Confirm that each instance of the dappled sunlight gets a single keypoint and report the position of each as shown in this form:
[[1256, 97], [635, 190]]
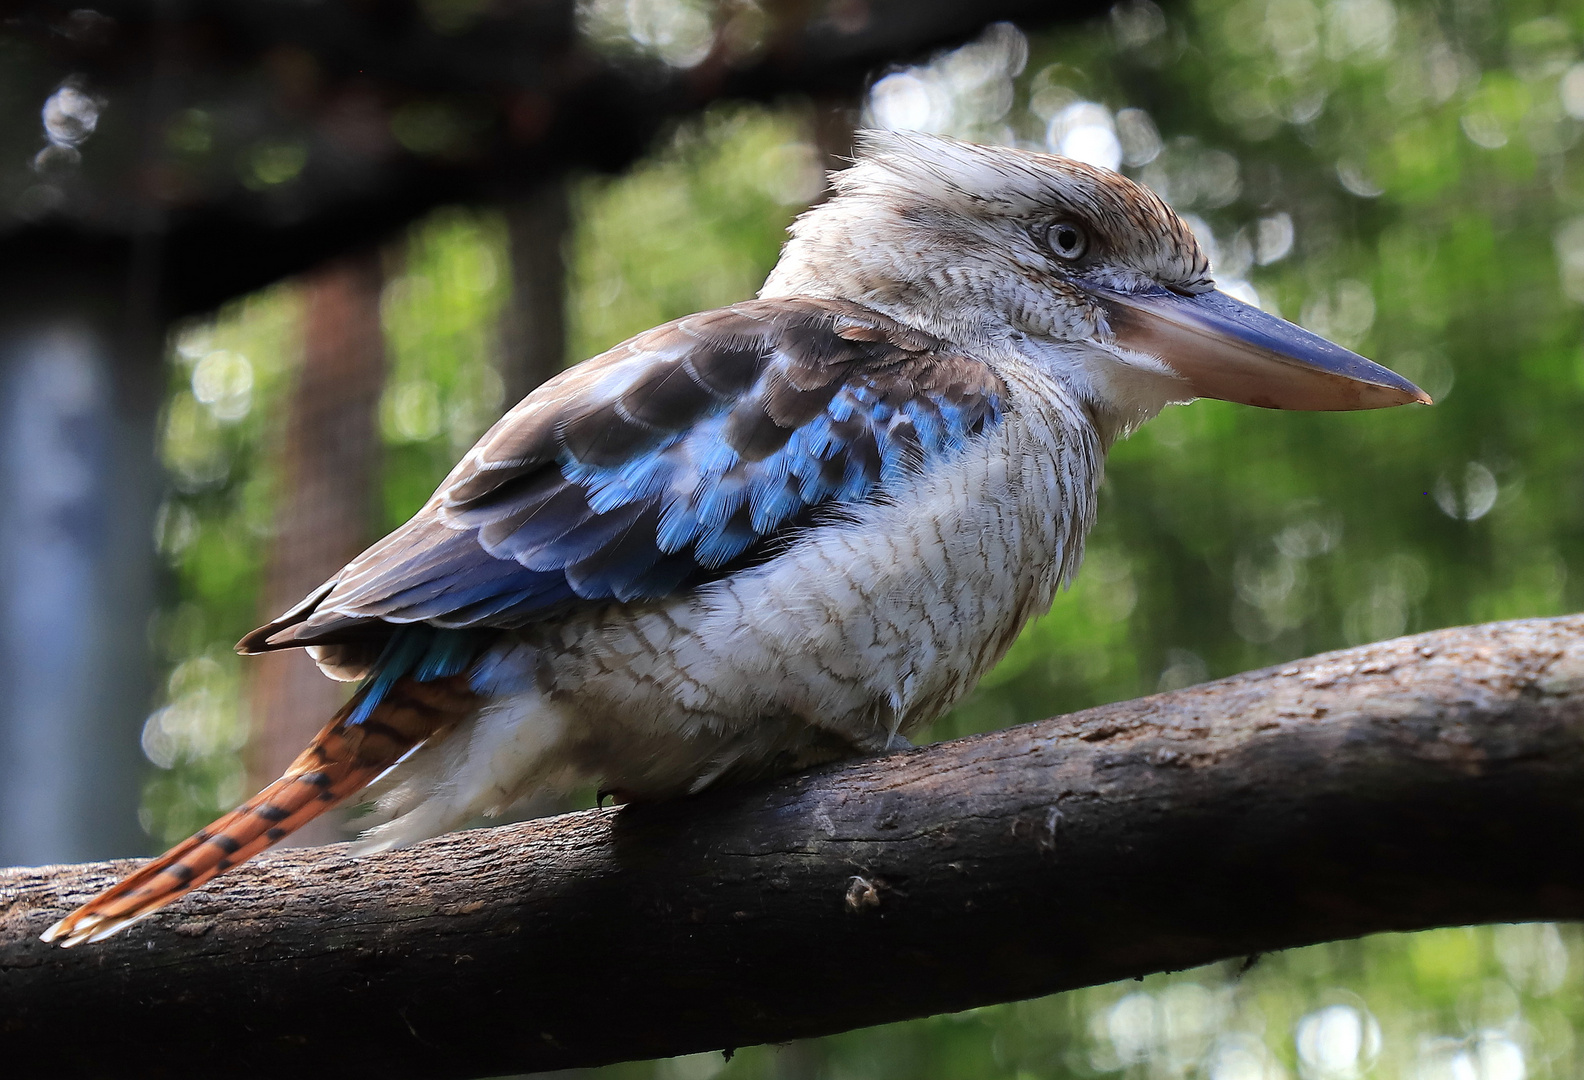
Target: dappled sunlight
[[1442, 1005], [966, 92], [1469, 496], [223, 382], [678, 32], [1337, 1042], [441, 316], [694, 227], [202, 728]]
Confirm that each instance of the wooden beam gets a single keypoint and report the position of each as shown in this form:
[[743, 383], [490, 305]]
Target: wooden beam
[[245, 140]]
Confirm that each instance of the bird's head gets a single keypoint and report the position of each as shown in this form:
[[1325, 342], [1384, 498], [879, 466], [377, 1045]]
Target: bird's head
[[1085, 270]]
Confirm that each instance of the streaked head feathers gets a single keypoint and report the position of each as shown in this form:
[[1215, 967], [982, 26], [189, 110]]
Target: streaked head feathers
[[914, 206]]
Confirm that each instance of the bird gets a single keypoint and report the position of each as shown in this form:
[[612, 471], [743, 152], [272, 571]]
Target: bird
[[779, 533]]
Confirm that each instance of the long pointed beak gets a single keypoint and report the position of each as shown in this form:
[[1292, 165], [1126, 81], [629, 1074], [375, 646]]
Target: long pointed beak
[[1223, 348]]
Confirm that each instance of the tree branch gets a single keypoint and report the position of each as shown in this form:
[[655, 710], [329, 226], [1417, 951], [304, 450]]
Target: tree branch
[[1415, 783]]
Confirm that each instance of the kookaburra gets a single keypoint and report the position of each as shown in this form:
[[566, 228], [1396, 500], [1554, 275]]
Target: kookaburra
[[774, 534]]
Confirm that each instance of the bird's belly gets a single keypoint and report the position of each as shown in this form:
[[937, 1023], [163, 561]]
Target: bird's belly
[[859, 631]]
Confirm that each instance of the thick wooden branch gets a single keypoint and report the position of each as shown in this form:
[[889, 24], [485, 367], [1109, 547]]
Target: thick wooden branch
[[1428, 781]]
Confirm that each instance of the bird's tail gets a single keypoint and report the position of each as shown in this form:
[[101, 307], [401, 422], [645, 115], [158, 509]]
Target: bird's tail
[[343, 759]]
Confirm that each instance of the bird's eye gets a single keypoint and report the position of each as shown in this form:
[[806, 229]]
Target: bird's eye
[[1067, 240]]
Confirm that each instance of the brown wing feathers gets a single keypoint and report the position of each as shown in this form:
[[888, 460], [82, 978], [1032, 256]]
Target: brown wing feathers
[[342, 760], [552, 506]]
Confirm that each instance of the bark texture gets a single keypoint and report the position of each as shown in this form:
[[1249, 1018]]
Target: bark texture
[[533, 324], [1429, 781]]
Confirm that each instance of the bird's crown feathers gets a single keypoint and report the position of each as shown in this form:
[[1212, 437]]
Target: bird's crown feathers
[[1002, 181], [914, 207]]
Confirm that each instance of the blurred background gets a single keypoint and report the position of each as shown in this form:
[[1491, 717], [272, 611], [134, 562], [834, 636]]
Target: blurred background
[[268, 269]]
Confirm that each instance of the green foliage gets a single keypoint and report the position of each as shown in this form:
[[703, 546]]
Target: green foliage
[[1400, 176], [696, 227], [1421, 158], [229, 379], [441, 315], [1460, 1004]]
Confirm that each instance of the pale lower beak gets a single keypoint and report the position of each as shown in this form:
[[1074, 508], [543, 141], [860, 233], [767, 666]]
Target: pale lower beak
[[1223, 348]]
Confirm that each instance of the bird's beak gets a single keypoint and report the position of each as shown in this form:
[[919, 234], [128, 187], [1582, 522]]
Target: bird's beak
[[1223, 348]]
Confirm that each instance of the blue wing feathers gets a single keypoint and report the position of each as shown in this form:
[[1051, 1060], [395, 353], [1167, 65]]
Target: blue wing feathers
[[540, 523], [618, 568], [679, 524], [664, 463], [422, 652], [720, 545], [600, 532]]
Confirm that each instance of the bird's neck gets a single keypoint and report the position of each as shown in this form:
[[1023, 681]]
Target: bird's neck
[[1117, 398], [1115, 402], [970, 304], [962, 328], [842, 250]]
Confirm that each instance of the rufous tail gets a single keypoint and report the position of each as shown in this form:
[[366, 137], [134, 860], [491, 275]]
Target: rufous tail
[[343, 759]]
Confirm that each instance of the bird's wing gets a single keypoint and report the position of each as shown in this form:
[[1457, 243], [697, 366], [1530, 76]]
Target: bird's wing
[[673, 458]]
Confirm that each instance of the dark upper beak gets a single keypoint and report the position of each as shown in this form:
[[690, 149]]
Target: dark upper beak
[[1223, 348]]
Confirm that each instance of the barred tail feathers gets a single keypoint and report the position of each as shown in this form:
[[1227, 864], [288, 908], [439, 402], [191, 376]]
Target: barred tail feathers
[[343, 759]]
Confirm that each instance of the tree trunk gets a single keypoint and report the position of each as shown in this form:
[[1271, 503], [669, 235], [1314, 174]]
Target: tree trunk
[[1416, 783], [80, 391], [328, 477], [533, 325]]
